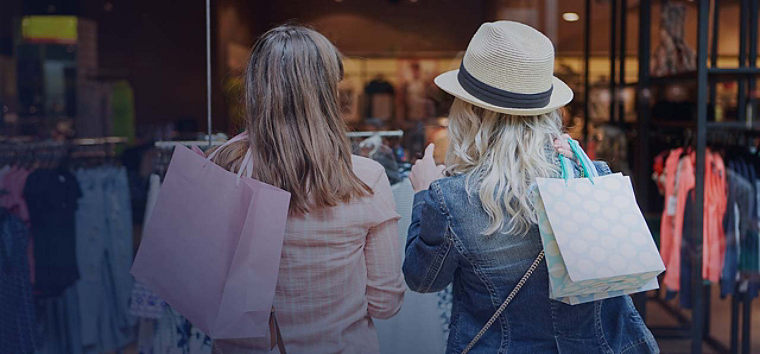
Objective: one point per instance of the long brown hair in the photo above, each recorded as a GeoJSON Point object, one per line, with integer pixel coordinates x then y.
{"type": "Point", "coordinates": [297, 135]}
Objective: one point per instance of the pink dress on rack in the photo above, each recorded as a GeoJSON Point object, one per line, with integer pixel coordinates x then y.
{"type": "Point", "coordinates": [685, 180]}
{"type": "Point", "coordinates": [340, 267]}
{"type": "Point", "coordinates": [714, 240]}
{"type": "Point", "coordinates": [12, 199]}
{"type": "Point", "coordinates": [713, 235]}
{"type": "Point", "coordinates": [667, 226]}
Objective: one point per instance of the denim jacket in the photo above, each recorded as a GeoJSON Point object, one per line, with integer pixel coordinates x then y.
{"type": "Point", "coordinates": [445, 244]}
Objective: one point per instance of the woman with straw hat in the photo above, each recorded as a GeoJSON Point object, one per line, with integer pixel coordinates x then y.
{"type": "Point", "coordinates": [477, 226]}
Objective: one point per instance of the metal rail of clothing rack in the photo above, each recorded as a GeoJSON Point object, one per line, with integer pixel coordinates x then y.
{"type": "Point", "coordinates": [366, 134]}
{"type": "Point", "coordinates": [697, 326]}
{"type": "Point", "coordinates": [199, 143]}
{"type": "Point", "coordinates": [27, 150]}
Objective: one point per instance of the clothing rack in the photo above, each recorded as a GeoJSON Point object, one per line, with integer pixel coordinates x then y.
{"type": "Point", "coordinates": [25, 145]}
{"type": "Point", "coordinates": [358, 134]}
{"type": "Point", "coordinates": [366, 134]}
{"type": "Point", "coordinates": [696, 327]}
{"type": "Point", "coordinates": [100, 141]}
{"type": "Point", "coordinates": [171, 144]}
{"type": "Point", "coordinates": [52, 153]}
{"type": "Point", "coordinates": [30, 141]}
{"type": "Point", "coordinates": [49, 180]}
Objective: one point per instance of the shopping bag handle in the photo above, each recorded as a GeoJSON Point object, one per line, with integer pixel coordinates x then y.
{"type": "Point", "coordinates": [246, 165]}
{"type": "Point", "coordinates": [236, 138]}
{"type": "Point", "coordinates": [587, 166]}
{"type": "Point", "coordinates": [565, 166]}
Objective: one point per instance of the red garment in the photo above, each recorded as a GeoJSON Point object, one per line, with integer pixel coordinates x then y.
{"type": "Point", "coordinates": [590, 149]}
{"type": "Point", "coordinates": [680, 181]}
{"type": "Point", "coordinates": [685, 181]}
{"type": "Point", "coordinates": [659, 171]}
{"type": "Point", "coordinates": [716, 198]}
{"type": "Point", "coordinates": [666, 226]}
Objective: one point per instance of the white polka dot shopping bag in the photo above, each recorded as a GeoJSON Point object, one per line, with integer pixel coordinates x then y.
{"type": "Point", "coordinates": [596, 241]}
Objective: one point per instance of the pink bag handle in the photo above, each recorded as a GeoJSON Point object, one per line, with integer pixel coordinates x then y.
{"type": "Point", "coordinates": [245, 165]}
{"type": "Point", "coordinates": [236, 138]}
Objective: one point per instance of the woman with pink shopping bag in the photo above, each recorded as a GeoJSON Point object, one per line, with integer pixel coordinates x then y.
{"type": "Point", "coordinates": [339, 264]}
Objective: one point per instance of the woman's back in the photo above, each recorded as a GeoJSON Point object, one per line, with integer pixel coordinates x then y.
{"type": "Point", "coordinates": [339, 267]}
{"type": "Point", "coordinates": [340, 261]}
{"type": "Point", "coordinates": [485, 269]}
{"type": "Point", "coordinates": [477, 228]}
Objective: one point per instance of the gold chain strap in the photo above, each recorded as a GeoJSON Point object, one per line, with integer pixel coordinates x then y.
{"type": "Point", "coordinates": [506, 302]}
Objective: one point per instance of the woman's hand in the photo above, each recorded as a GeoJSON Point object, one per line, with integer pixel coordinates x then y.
{"type": "Point", "coordinates": [425, 171]}
{"type": "Point", "coordinates": [563, 146]}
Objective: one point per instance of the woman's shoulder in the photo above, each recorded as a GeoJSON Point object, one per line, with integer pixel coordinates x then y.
{"type": "Point", "coordinates": [451, 183]}
{"type": "Point", "coordinates": [368, 170]}
{"type": "Point", "coordinates": [451, 190]}
{"type": "Point", "coordinates": [381, 199]}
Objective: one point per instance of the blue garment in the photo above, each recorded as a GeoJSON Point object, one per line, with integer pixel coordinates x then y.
{"type": "Point", "coordinates": [175, 334]}
{"type": "Point", "coordinates": [16, 305]}
{"type": "Point", "coordinates": [740, 195]}
{"type": "Point", "coordinates": [749, 250]}
{"type": "Point", "coordinates": [59, 327]}
{"type": "Point", "coordinates": [748, 260]}
{"type": "Point", "coordinates": [104, 255]}
{"type": "Point", "coordinates": [752, 177]}
{"type": "Point", "coordinates": [445, 245]}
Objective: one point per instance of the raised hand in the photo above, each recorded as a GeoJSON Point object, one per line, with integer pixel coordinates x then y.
{"type": "Point", "coordinates": [425, 171]}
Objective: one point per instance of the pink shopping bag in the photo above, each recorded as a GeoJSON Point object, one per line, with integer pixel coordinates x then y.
{"type": "Point", "coordinates": [211, 247]}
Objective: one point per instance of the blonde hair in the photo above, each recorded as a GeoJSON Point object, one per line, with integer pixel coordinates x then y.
{"type": "Point", "coordinates": [502, 155]}
{"type": "Point", "coordinates": [297, 135]}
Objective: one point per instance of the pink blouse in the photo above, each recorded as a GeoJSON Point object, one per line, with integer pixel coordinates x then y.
{"type": "Point", "coordinates": [340, 268]}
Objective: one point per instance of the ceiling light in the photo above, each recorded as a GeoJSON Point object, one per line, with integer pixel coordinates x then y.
{"type": "Point", "coordinates": [570, 16]}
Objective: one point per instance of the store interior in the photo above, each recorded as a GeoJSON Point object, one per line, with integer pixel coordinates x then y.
{"type": "Point", "coordinates": [106, 88]}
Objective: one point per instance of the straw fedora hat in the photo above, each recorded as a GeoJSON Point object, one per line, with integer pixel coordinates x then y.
{"type": "Point", "coordinates": [509, 68]}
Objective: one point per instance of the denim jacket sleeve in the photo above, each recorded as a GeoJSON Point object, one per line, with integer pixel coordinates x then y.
{"type": "Point", "coordinates": [602, 168]}
{"type": "Point", "coordinates": [430, 259]}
